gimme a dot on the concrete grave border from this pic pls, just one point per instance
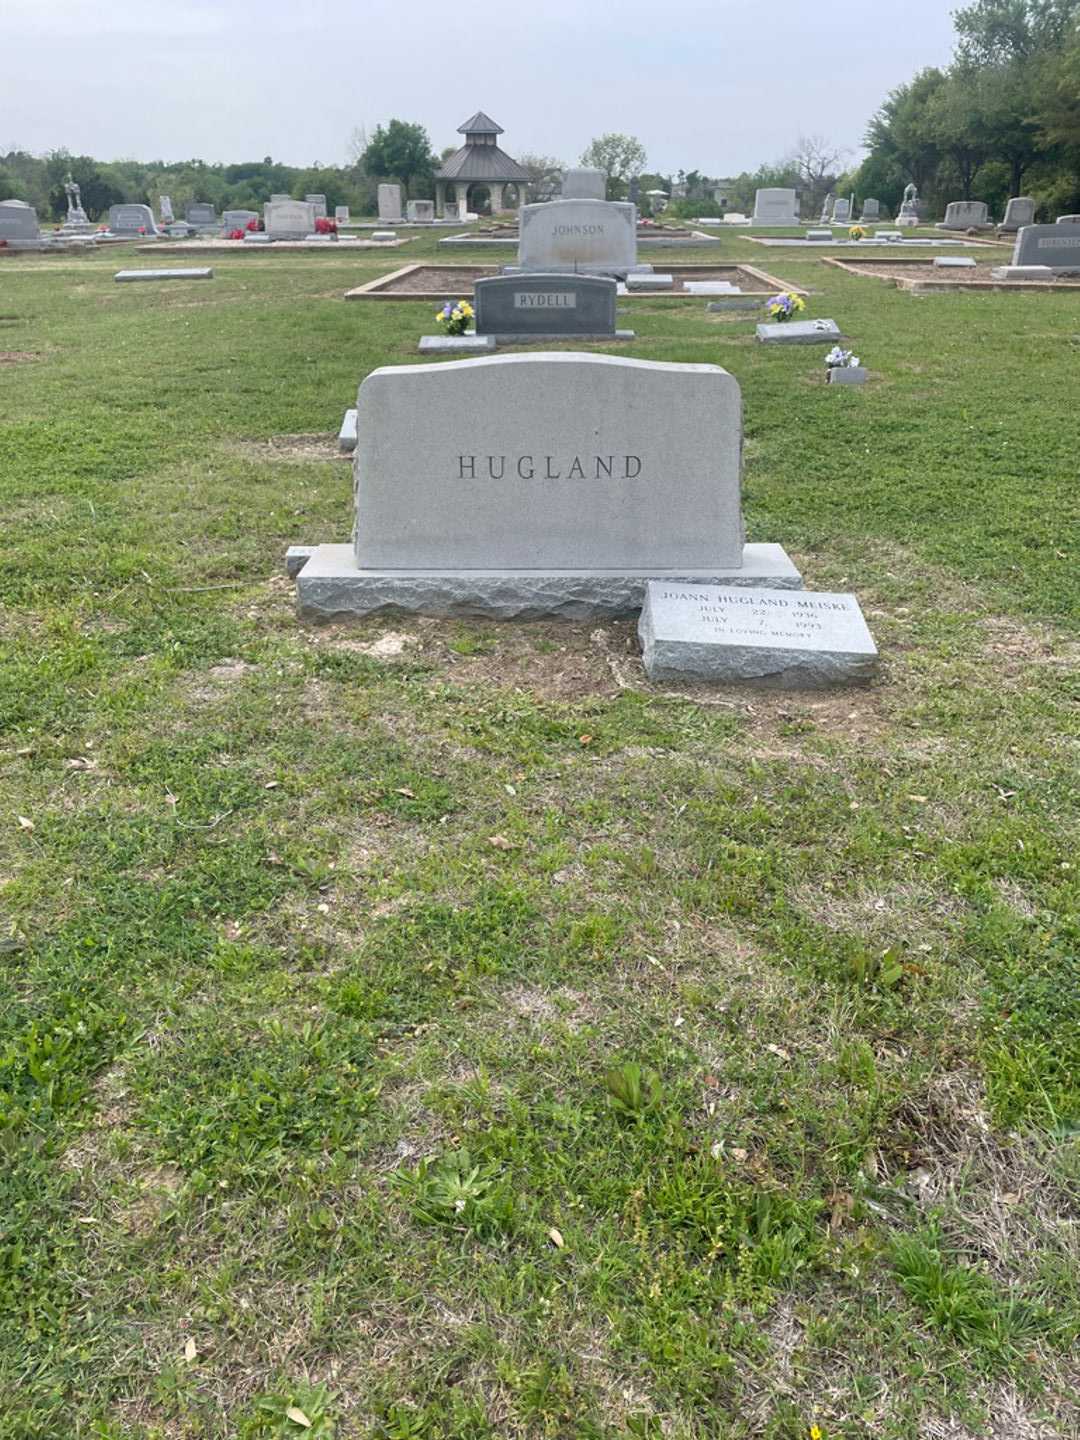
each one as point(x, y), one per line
point(376, 289)
point(927, 285)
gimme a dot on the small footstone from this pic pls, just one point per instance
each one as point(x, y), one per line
point(782, 639)
point(711, 287)
point(819, 235)
point(799, 332)
point(737, 302)
point(887, 235)
point(641, 281)
point(455, 344)
point(128, 275)
point(953, 262)
point(847, 374)
point(384, 235)
point(347, 434)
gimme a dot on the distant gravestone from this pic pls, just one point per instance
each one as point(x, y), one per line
point(237, 219)
point(548, 484)
point(1068, 220)
point(775, 207)
point(201, 215)
point(584, 184)
point(783, 639)
point(1019, 212)
point(799, 332)
point(871, 212)
point(841, 212)
point(288, 219)
point(1053, 245)
point(531, 306)
point(389, 202)
point(165, 206)
point(596, 235)
point(341, 214)
point(318, 204)
point(19, 223)
point(131, 220)
point(451, 210)
point(819, 235)
point(965, 215)
point(420, 212)
point(277, 199)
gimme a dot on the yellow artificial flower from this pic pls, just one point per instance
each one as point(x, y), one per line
point(816, 1433)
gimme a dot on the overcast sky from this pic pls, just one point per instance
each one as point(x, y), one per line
point(714, 85)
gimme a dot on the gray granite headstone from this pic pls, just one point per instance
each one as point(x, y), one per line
point(131, 220)
point(18, 222)
point(288, 219)
point(588, 235)
point(584, 184)
point(237, 219)
point(788, 640)
point(1068, 220)
point(201, 215)
point(341, 214)
point(1020, 211)
point(389, 202)
point(799, 332)
point(964, 215)
point(165, 206)
point(548, 484)
point(318, 204)
point(871, 211)
point(451, 210)
point(533, 305)
point(421, 212)
point(1053, 245)
point(775, 207)
point(841, 212)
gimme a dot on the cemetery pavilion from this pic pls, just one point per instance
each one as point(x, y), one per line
point(477, 175)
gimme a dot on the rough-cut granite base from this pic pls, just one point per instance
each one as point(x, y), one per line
point(329, 586)
point(127, 275)
point(455, 344)
point(531, 338)
point(346, 439)
point(745, 665)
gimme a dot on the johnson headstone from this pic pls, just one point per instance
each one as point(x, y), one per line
point(588, 235)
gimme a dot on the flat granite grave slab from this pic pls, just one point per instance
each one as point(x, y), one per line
point(456, 344)
point(1021, 272)
point(799, 332)
point(123, 276)
point(800, 640)
point(953, 262)
point(737, 302)
point(536, 306)
point(347, 434)
point(638, 281)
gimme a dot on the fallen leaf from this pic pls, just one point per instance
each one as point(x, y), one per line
point(297, 1416)
point(500, 842)
point(24, 823)
point(555, 1236)
point(189, 1350)
point(585, 739)
point(404, 790)
point(26, 750)
point(739, 1154)
point(918, 799)
point(81, 762)
point(778, 1051)
point(272, 785)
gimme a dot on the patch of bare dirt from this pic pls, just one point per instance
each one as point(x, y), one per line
point(17, 357)
point(290, 447)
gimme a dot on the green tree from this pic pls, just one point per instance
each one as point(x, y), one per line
point(401, 150)
point(621, 157)
point(545, 175)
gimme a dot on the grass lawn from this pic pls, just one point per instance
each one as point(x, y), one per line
point(433, 1031)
